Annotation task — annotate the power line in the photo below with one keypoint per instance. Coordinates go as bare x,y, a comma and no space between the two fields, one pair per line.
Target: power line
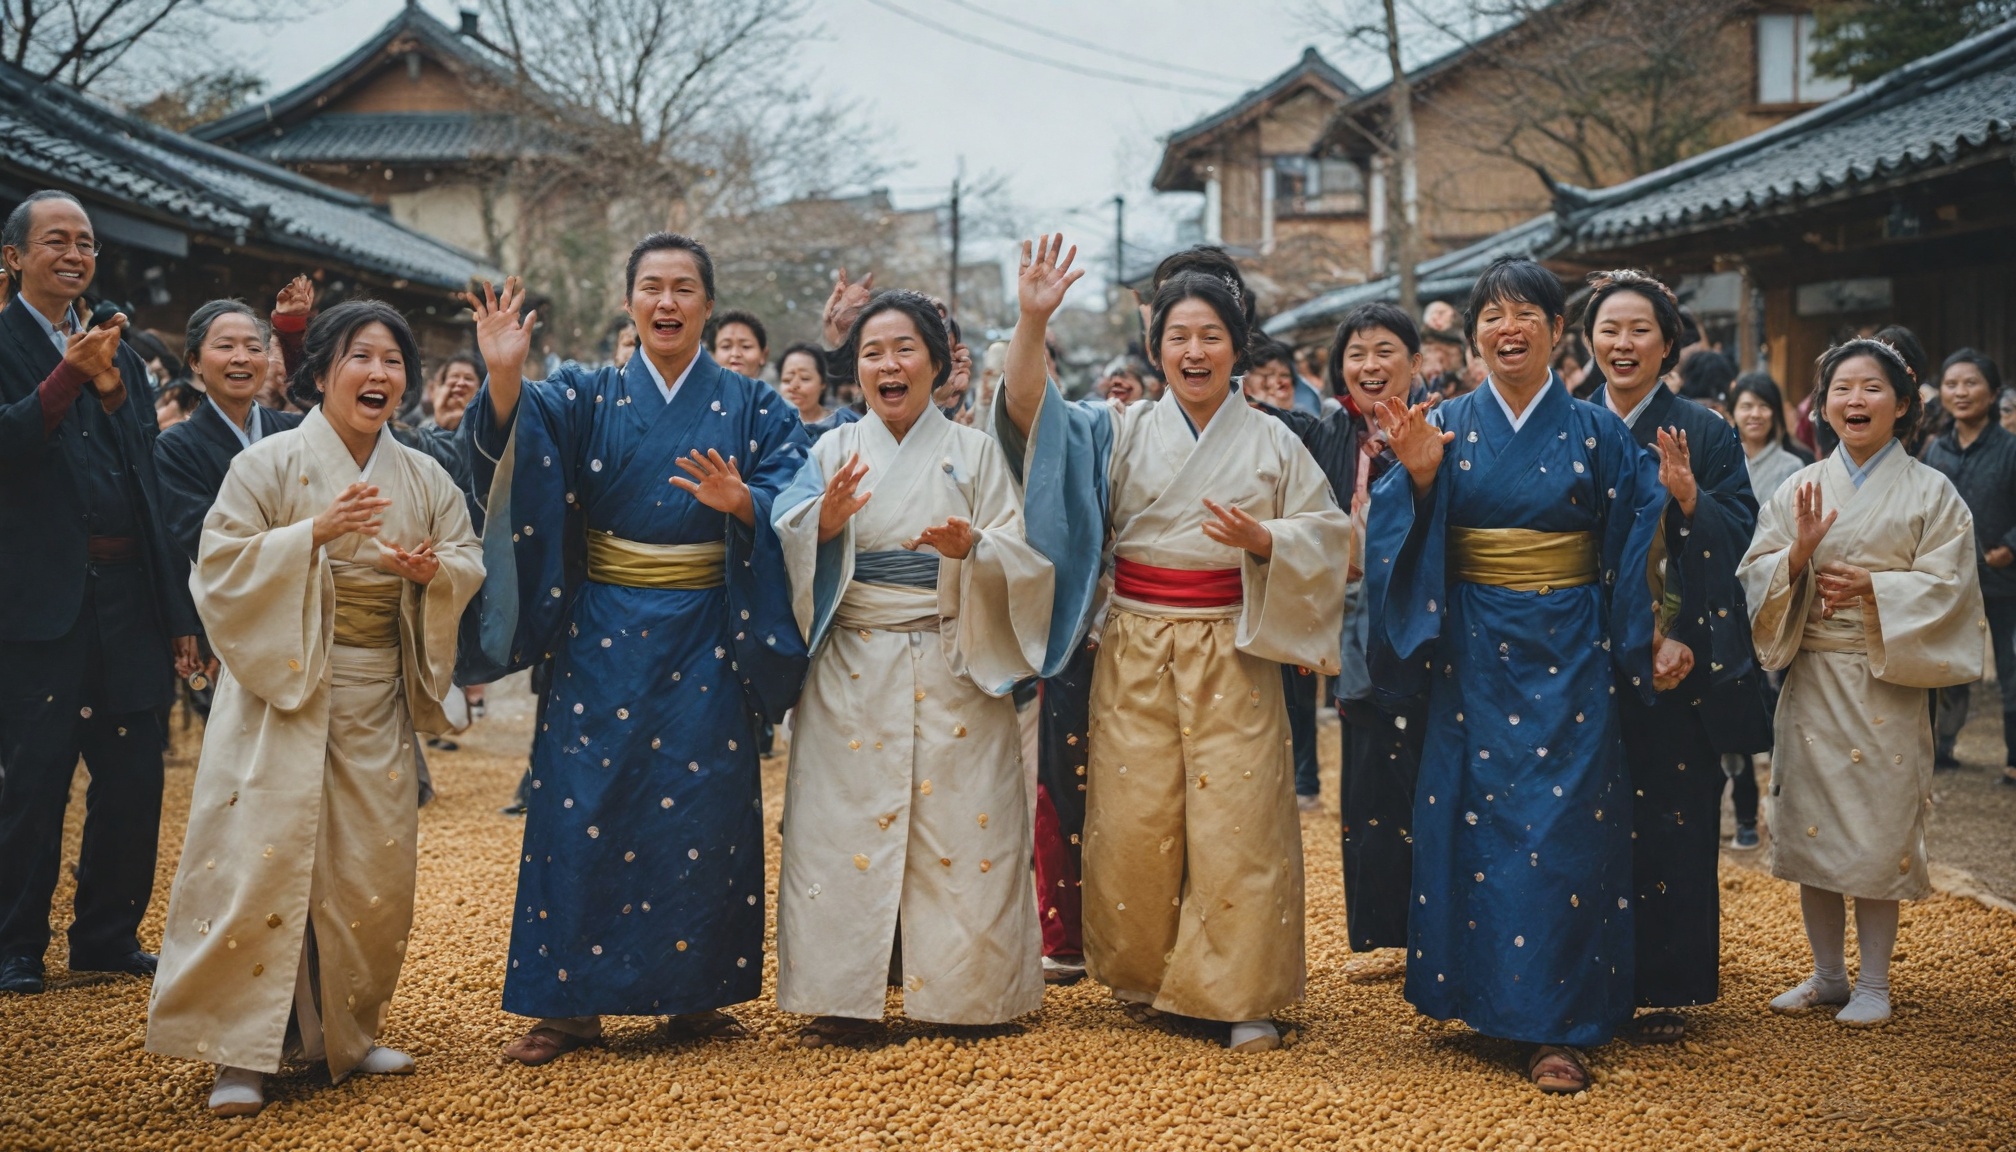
1061,38
1031,57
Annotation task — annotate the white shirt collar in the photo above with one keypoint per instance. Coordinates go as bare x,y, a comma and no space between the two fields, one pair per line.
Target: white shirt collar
1518,421
665,390
246,436
1631,417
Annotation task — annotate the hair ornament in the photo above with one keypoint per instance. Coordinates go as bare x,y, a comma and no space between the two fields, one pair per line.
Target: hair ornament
1232,286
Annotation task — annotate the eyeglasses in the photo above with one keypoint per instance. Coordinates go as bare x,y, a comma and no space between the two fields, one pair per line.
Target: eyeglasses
85,248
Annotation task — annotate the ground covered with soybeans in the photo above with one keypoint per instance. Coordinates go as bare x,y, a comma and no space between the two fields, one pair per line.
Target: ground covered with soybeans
1362,1071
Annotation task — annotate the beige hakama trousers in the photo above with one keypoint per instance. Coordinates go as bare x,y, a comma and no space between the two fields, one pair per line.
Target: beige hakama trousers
1193,847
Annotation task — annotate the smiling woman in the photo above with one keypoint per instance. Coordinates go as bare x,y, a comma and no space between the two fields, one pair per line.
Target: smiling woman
331,577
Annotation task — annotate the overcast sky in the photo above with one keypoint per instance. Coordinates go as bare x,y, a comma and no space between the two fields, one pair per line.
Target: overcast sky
1067,141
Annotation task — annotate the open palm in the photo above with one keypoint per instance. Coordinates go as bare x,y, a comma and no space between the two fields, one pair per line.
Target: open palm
1045,274
504,336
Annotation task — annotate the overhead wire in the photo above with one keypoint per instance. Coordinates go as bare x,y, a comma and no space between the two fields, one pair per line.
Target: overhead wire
1075,42
1033,58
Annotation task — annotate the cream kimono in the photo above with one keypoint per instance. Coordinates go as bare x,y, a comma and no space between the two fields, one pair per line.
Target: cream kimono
905,809
294,893
1851,772
1193,849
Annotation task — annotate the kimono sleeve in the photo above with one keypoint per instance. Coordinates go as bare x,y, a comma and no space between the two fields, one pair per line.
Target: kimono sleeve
1405,573
770,652
1778,604
1705,550
1063,464
262,587
817,571
997,602
438,605
1294,600
1633,509
525,476
1928,628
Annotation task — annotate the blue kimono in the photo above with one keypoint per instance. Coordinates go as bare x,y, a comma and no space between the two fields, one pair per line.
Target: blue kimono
640,887
1521,918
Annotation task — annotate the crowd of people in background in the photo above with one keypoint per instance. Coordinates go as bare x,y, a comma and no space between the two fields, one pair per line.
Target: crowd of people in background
1052,700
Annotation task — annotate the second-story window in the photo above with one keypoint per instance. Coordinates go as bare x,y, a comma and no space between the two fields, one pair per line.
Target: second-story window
1785,61
1304,186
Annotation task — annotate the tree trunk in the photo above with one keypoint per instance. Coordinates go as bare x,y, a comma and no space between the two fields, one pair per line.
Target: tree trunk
1405,190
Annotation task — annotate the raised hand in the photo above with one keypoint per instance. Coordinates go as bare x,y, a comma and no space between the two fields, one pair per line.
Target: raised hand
717,483
1676,470
1045,274
1843,585
296,299
839,504
1809,527
419,565
504,336
1416,442
1235,529
956,381
952,539
843,305
355,509
94,351
1671,663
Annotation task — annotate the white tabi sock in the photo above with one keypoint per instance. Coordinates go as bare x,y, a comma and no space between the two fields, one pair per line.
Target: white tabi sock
380,1061
1826,920
1876,933
1254,1036
238,1092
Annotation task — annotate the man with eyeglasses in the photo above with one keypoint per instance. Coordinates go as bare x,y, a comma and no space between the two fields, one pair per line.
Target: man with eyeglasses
88,605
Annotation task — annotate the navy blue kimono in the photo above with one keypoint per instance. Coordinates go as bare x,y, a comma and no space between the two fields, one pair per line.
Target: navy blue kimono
1521,916
1674,744
640,887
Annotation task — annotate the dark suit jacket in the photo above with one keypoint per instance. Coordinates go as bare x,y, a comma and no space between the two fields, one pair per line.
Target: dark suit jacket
42,564
192,459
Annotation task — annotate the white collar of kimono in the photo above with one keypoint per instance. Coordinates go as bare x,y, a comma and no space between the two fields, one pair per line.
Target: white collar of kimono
377,450
1857,473
1631,417
668,390
248,435
1518,420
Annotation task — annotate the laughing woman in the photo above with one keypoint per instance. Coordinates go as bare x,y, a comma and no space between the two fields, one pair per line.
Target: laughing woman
906,827
332,573
1229,561
1865,614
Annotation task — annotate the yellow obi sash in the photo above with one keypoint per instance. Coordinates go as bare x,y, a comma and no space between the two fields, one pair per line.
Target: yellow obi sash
1523,559
367,612
614,560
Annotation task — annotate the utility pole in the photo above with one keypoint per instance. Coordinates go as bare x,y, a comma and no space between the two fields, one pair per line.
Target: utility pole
952,297
1119,246
1406,221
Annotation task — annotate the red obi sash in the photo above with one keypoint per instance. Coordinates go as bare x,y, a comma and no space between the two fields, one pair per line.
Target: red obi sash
1177,587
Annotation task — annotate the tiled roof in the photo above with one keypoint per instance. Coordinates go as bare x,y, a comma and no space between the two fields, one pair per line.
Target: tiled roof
1312,65
51,137
1445,276
387,138
1934,112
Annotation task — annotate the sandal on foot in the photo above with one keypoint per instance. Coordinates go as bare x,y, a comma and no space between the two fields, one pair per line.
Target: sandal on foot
830,1031
238,1092
1810,993
1253,1036
1063,971
709,1025
1657,1028
1553,1068
545,1045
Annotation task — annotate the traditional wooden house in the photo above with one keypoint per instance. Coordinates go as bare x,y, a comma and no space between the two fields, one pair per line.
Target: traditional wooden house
1893,204
420,119
183,221
1296,221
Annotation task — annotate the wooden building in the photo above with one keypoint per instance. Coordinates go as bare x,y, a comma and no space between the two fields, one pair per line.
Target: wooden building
1893,204
183,221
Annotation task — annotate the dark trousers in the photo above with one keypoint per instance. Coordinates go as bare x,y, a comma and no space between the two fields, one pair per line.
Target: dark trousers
1061,745
1298,688
55,705
1950,706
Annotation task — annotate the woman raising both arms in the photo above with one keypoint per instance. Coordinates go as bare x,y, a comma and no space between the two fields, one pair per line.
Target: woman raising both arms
1227,551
